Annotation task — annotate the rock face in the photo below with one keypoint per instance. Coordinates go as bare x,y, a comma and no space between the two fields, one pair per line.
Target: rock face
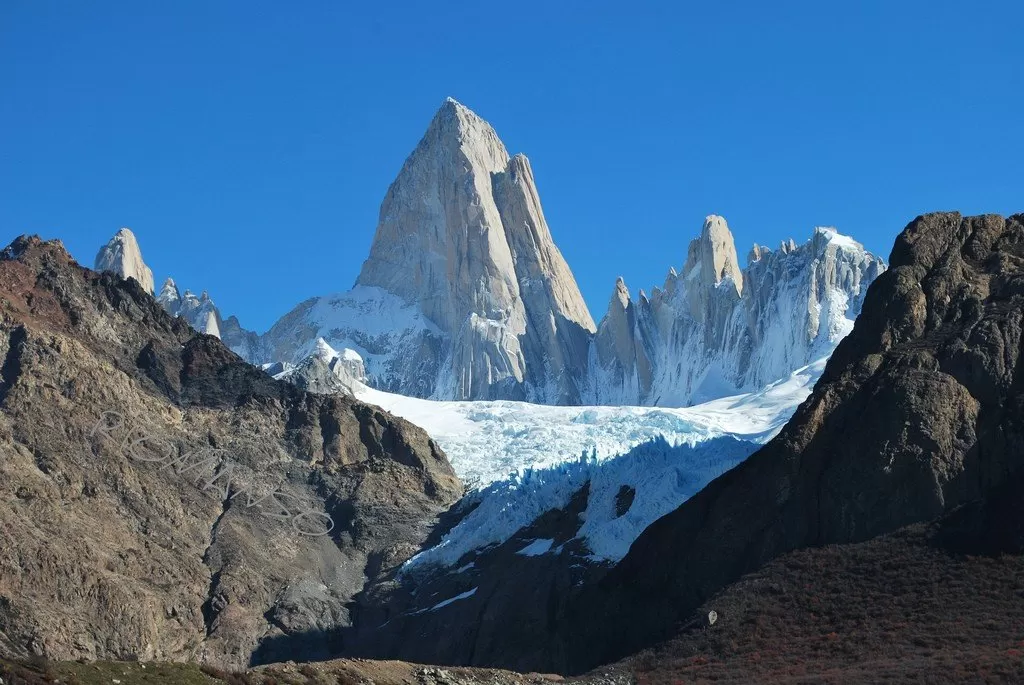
123,257
715,330
161,499
464,263
920,410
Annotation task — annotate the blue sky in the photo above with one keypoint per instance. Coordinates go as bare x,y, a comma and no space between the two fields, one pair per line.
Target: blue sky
249,144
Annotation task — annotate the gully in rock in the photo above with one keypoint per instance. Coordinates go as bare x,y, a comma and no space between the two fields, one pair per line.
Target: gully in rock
212,469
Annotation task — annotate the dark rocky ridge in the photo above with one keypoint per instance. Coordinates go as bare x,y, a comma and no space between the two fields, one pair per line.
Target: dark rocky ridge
106,552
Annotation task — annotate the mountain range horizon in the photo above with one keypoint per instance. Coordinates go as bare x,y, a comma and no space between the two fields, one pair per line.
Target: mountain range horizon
465,295
595,297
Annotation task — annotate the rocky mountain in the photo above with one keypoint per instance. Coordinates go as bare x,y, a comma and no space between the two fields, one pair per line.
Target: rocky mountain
199,312
716,330
464,294
123,257
162,499
916,418
324,371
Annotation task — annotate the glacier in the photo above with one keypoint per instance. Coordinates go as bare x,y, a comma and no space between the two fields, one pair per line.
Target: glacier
525,459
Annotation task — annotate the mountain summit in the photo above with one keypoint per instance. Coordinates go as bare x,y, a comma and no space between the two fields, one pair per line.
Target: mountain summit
473,297
123,257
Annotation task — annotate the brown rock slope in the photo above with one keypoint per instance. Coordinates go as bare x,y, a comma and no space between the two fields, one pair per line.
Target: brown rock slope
909,606
920,410
186,526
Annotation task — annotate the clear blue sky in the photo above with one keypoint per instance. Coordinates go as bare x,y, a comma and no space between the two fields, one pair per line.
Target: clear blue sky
249,144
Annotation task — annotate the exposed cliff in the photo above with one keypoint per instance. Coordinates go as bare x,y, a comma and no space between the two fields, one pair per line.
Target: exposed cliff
714,330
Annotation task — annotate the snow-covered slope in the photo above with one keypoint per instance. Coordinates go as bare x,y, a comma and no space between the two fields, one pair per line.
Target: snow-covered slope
528,459
398,345
324,371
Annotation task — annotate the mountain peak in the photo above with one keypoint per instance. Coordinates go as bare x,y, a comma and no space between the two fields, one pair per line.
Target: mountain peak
462,236
455,127
123,257
621,294
169,295
713,255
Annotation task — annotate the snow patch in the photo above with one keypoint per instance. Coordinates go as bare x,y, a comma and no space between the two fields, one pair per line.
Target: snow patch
537,548
441,605
838,239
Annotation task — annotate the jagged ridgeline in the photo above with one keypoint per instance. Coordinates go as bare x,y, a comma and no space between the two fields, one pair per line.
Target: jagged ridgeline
466,296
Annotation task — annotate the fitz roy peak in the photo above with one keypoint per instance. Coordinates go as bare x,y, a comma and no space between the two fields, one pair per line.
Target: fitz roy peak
464,294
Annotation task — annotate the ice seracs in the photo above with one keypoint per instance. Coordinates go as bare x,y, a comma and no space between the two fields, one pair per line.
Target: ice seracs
527,459
123,257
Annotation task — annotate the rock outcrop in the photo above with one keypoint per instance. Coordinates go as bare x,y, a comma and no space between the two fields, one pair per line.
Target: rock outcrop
324,371
920,410
715,330
123,257
161,499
